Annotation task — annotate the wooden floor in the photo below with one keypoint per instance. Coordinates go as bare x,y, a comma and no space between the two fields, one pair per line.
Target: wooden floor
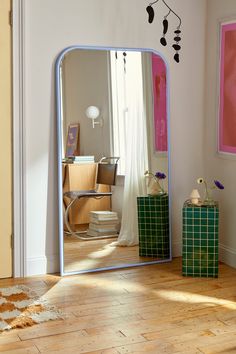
150,309
80,255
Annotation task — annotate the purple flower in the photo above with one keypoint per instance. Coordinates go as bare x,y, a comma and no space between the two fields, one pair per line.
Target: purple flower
218,184
160,175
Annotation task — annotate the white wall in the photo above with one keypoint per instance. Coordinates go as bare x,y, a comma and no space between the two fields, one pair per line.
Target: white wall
218,167
50,26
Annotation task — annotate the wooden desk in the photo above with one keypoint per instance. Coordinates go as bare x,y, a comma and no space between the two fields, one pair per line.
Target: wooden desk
83,177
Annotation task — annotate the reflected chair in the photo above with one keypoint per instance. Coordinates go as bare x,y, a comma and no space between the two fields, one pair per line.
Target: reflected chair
106,174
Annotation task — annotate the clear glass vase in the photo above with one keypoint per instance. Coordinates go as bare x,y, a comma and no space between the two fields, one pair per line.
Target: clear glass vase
208,200
153,187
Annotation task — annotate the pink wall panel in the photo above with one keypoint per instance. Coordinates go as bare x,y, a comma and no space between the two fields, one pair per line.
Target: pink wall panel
227,114
160,101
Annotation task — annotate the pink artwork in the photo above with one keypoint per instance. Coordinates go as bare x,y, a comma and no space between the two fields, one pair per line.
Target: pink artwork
160,101
227,113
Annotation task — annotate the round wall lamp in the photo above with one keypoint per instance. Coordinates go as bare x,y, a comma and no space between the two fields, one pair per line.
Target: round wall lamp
93,112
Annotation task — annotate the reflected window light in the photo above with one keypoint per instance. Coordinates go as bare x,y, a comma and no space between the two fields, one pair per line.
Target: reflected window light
126,90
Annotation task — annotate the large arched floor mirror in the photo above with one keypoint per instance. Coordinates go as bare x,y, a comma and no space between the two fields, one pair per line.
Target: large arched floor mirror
98,92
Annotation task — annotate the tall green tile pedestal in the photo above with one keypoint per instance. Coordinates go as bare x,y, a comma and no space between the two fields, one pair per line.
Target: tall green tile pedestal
153,226
200,241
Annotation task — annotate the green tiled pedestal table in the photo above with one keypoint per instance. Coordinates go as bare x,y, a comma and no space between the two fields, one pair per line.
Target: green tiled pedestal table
153,226
200,241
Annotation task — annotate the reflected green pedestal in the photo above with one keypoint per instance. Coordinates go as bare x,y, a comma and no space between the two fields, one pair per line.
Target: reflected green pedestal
200,241
153,226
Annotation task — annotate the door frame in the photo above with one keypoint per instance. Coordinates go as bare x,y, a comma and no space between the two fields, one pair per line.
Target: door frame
18,102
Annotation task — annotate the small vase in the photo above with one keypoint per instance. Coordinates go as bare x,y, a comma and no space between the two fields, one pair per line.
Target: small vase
155,194
153,186
208,200
161,192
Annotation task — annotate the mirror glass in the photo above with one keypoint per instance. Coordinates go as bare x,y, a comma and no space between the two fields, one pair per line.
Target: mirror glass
99,92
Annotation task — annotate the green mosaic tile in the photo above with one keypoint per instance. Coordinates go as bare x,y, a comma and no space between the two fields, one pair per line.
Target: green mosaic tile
200,241
153,225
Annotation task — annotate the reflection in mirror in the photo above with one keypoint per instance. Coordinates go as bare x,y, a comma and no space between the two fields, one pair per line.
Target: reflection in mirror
112,103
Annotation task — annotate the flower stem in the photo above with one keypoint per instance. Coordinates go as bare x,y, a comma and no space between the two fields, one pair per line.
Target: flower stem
158,183
208,199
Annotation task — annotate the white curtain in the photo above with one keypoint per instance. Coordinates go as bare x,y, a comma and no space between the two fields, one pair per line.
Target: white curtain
136,154
119,107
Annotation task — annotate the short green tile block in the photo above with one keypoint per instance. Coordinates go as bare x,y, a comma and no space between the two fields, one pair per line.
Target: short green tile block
200,241
153,226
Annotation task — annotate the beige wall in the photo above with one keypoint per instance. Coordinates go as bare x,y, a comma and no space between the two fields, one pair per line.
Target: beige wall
50,26
218,167
86,84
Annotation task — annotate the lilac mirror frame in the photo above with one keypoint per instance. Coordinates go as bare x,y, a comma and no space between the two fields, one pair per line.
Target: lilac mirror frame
166,135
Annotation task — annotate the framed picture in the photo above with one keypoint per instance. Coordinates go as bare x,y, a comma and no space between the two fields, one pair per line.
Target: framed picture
227,88
72,141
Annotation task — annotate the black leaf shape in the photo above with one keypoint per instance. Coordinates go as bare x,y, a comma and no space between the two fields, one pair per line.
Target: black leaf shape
163,41
165,26
150,12
176,46
177,31
177,39
176,57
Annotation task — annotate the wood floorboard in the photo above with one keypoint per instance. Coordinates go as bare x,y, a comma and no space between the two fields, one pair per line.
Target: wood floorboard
151,309
82,255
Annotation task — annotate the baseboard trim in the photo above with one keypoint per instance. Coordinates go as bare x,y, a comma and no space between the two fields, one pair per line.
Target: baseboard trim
53,264
42,265
50,263
176,249
227,255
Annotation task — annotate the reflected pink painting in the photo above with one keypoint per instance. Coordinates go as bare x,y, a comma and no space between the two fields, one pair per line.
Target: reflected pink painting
227,113
160,103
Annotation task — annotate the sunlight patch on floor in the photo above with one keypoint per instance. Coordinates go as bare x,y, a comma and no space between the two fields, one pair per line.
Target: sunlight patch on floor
82,265
182,296
171,295
104,252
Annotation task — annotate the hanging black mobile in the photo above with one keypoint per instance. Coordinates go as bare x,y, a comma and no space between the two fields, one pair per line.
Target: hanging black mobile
165,24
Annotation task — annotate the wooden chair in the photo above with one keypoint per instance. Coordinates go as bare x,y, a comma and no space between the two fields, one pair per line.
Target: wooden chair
106,174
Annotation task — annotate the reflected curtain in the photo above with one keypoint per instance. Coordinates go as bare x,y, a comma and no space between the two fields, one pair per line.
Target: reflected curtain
136,155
